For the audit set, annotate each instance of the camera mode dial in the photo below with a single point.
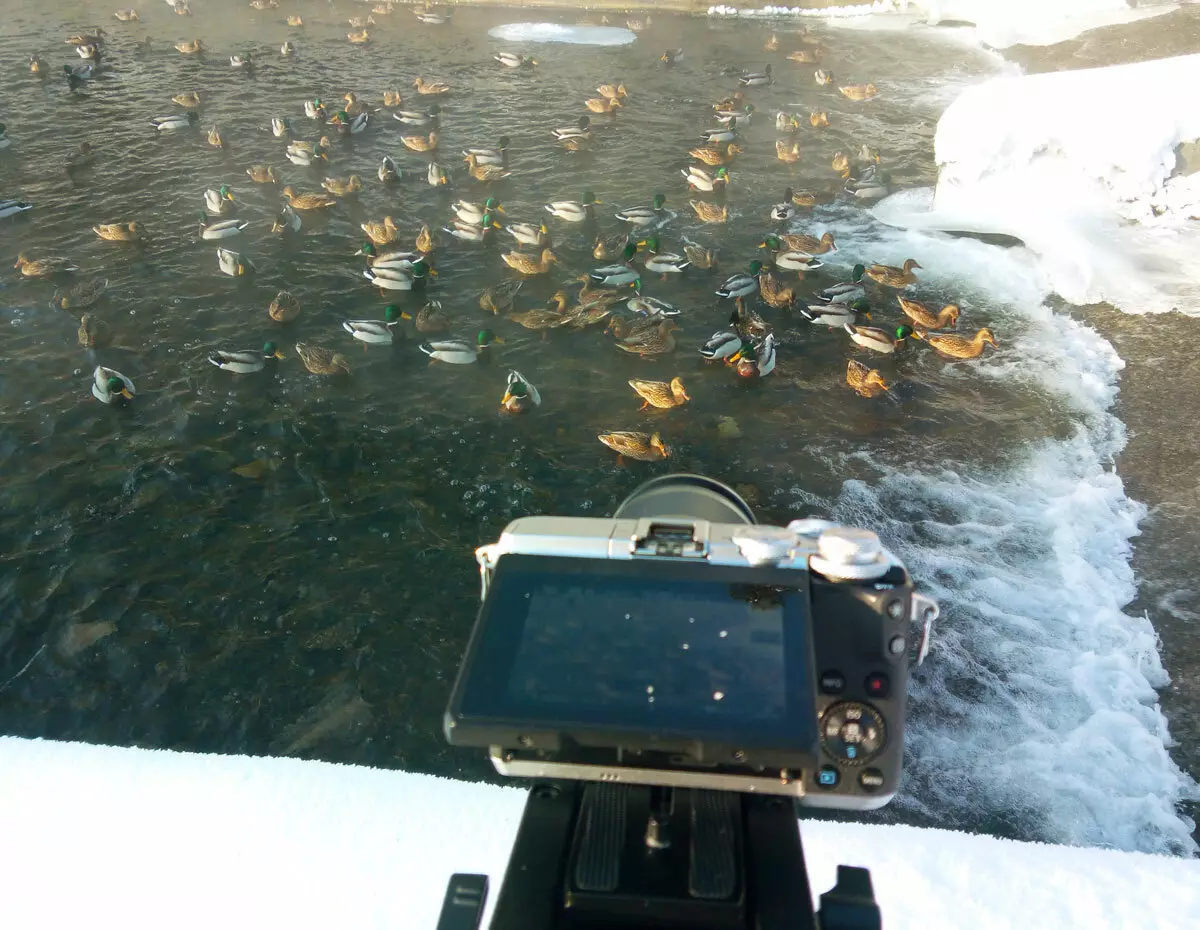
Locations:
(852, 732)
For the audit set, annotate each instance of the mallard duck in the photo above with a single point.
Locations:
(392, 99)
(460, 351)
(78, 75)
(612, 91)
(671, 56)
(354, 106)
(748, 324)
(388, 279)
(737, 120)
(421, 143)
(14, 208)
(308, 201)
(382, 9)
(374, 332)
(348, 125)
(743, 284)
(287, 221)
(837, 315)
(756, 78)
(473, 232)
(305, 154)
(126, 16)
(661, 394)
(468, 212)
(711, 155)
(890, 276)
(756, 361)
(190, 100)
(581, 130)
(841, 164)
(486, 155)
(926, 317)
(723, 345)
(215, 139)
(218, 202)
(574, 211)
(359, 22)
(315, 109)
(436, 175)
(730, 104)
(805, 56)
(651, 307)
(871, 184)
(393, 261)
(174, 122)
(787, 153)
(431, 88)
(93, 331)
(194, 47)
(362, 37)
(420, 118)
(485, 173)
(700, 180)
(342, 188)
(608, 105)
(643, 447)
(322, 361)
(262, 174)
(380, 233)
(82, 295)
(294, 21)
(540, 319)
(878, 340)
(234, 263)
(431, 318)
(432, 19)
(511, 60)
(243, 62)
(284, 308)
(388, 172)
(608, 248)
(622, 273)
(245, 361)
(774, 292)
(663, 263)
(848, 291)
(658, 341)
(822, 77)
(536, 235)
(108, 384)
(867, 382)
(424, 241)
(519, 395)
(119, 232)
(44, 267)
(952, 346)
(772, 43)
(784, 210)
(800, 244)
(530, 264)
(818, 119)
(499, 297)
(700, 256)
(859, 91)
(38, 66)
(710, 212)
(786, 122)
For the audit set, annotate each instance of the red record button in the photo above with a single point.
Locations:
(877, 685)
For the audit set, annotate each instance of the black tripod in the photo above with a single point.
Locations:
(597, 856)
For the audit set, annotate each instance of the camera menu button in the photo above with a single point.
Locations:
(832, 682)
(870, 779)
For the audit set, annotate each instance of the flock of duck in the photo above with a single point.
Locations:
(610, 295)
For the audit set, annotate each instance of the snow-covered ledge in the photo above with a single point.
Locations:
(102, 837)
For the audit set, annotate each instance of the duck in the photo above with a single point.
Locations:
(610, 247)
(78, 75)
(925, 317)
(190, 100)
(499, 297)
(700, 256)
(737, 120)
(315, 109)
(700, 180)
(742, 284)
(436, 175)
(540, 319)
(730, 104)
(218, 202)
(536, 235)
(581, 130)
(847, 291)
(194, 47)
(574, 211)
(719, 134)
(818, 119)
(287, 221)
(322, 361)
(93, 331)
(786, 122)
(175, 121)
(663, 263)
(608, 105)
(612, 91)
(530, 264)
(711, 155)
(671, 56)
(657, 341)
(748, 324)
(642, 447)
(662, 395)
(234, 263)
(774, 292)
(342, 188)
(822, 77)
(432, 19)
(722, 345)
(395, 261)
(519, 395)
(786, 209)
(420, 118)
(756, 78)
(872, 183)
(362, 37)
(308, 201)
(709, 212)
(772, 43)
(284, 307)
(837, 315)
(44, 267)
(788, 154)
(374, 332)
(288, 48)
(359, 22)
(354, 106)
(859, 91)
(388, 172)
(485, 173)
(380, 233)
(491, 156)
(424, 240)
(878, 340)
(473, 232)
(431, 318)
(805, 56)
(651, 307)
(262, 174)
(108, 384)
(348, 125)
(14, 208)
(245, 361)
(38, 66)
(215, 139)
(468, 212)
(841, 164)
(242, 62)
(756, 361)
(392, 99)
(948, 345)
(867, 382)
(799, 244)
(80, 296)
(890, 276)
(89, 52)
(305, 154)
(294, 21)
(460, 351)
(622, 273)
(431, 88)
(512, 60)
(389, 279)
(119, 232)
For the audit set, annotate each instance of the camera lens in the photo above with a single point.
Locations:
(692, 497)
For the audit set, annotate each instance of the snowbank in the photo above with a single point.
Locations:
(1080, 166)
(569, 35)
(103, 837)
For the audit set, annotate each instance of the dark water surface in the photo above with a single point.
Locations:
(320, 605)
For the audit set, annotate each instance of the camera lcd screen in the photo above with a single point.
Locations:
(690, 650)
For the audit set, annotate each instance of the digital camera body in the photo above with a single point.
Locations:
(683, 645)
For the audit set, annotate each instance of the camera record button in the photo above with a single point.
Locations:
(870, 779)
(878, 685)
(833, 682)
(828, 776)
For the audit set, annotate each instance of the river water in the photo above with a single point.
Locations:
(156, 591)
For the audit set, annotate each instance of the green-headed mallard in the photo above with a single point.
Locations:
(661, 394)
(867, 382)
(93, 331)
(645, 216)
(322, 361)
(221, 229)
(622, 273)
(108, 384)
(536, 235)
(837, 315)
(511, 60)
(700, 180)
(420, 118)
(519, 395)
(926, 317)
(951, 346)
(663, 263)
(581, 130)
(756, 78)
(499, 297)
(878, 340)
(846, 292)
(284, 308)
(643, 447)
(487, 155)
(891, 276)
(473, 232)
(280, 126)
(468, 212)
(756, 361)
(574, 211)
(245, 361)
(460, 351)
(389, 279)
(784, 210)
(872, 183)
(234, 263)
(741, 285)
(218, 202)
(375, 332)
(530, 264)
(287, 221)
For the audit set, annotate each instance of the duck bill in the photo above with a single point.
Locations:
(279, 354)
(508, 395)
(125, 393)
(405, 315)
(499, 339)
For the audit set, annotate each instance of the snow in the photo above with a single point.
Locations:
(570, 35)
(103, 837)
(1080, 166)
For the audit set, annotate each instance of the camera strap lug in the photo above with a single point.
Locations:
(924, 611)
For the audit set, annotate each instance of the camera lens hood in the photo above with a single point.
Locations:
(693, 497)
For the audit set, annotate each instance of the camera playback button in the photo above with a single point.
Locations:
(828, 777)
(832, 682)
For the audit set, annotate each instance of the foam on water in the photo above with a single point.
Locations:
(1039, 706)
(569, 35)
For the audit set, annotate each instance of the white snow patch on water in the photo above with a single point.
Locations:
(569, 35)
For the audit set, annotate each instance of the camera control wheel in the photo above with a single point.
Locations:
(852, 732)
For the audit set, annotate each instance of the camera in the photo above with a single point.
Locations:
(676, 678)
